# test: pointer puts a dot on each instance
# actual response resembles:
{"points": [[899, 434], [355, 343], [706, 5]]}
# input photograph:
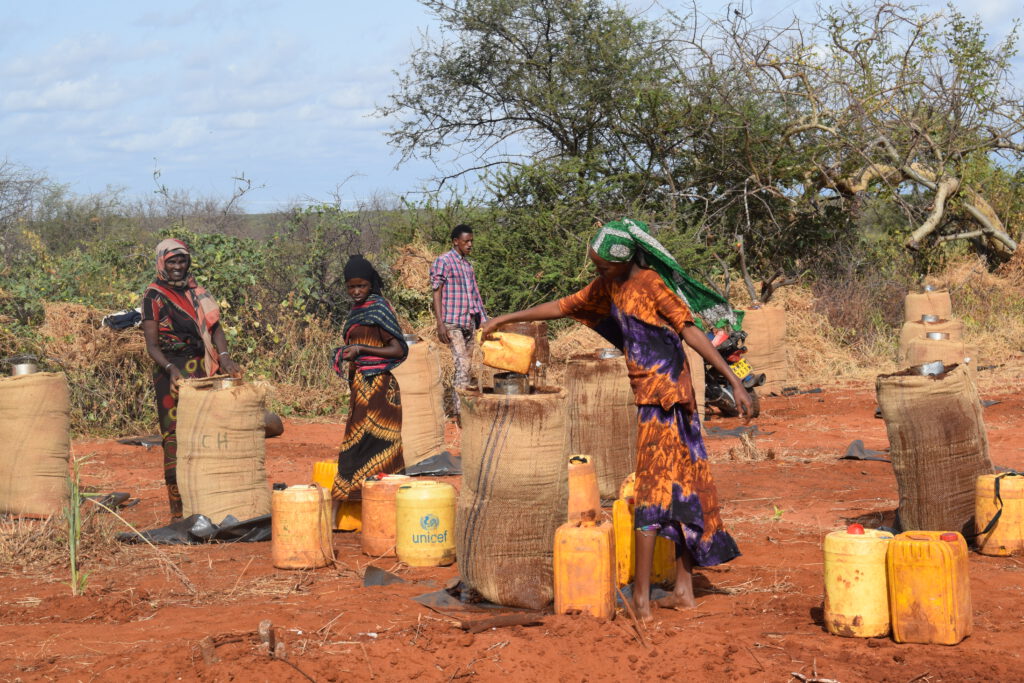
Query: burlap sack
{"points": [[221, 451], [514, 494], [938, 445], [602, 418], [915, 329], [419, 379], [949, 351], [766, 346], [927, 303], [695, 362], [34, 424]]}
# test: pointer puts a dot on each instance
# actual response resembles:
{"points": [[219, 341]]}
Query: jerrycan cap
{"points": [[857, 529], [950, 536]]}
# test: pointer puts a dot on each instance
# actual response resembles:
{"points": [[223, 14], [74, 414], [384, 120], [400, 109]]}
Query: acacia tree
{"points": [[874, 102]]}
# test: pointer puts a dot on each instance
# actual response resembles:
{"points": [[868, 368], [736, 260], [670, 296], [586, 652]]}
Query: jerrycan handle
{"points": [[999, 499]]}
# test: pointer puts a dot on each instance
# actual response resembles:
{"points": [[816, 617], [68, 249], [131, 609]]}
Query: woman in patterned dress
{"points": [[374, 345], [181, 325], [639, 303]]}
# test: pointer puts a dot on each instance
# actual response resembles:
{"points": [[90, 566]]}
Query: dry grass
{"points": [[72, 334], [39, 548]]}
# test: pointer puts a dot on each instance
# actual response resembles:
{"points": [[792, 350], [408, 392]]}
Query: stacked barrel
{"points": [[931, 333]]}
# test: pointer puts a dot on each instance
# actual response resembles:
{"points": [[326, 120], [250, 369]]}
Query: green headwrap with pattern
{"points": [[618, 242]]}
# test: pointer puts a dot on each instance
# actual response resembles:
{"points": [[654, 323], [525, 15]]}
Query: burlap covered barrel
{"points": [[602, 417], [34, 444], [221, 451], [938, 445], [514, 494], [419, 378], [935, 302], [766, 345], [917, 329]]}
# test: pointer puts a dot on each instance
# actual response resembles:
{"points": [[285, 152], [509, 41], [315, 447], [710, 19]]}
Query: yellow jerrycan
{"points": [[425, 523], [999, 513], [584, 564], [663, 571], [300, 527], [856, 589], [349, 517], [929, 588], [508, 351], [378, 537], [583, 490]]}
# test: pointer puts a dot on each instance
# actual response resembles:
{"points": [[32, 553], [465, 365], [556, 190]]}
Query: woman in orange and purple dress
{"points": [[639, 303]]}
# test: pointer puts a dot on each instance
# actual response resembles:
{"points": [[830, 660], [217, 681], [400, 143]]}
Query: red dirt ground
{"points": [[758, 618]]}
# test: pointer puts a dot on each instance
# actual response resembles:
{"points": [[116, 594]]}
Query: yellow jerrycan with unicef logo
{"points": [[856, 588], [425, 524]]}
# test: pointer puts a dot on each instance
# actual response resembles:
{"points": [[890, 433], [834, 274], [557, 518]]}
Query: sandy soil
{"points": [[758, 618]]}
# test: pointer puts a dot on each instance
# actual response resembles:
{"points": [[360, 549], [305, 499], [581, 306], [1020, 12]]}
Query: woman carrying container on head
{"points": [[181, 325], [374, 345], [639, 303]]}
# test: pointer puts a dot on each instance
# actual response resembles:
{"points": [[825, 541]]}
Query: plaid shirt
{"points": [[460, 298]]}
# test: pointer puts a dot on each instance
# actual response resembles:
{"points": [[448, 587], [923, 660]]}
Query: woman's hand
{"points": [[352, 351], [743, 401], [175, 375], [489, 326], [229, 366]]}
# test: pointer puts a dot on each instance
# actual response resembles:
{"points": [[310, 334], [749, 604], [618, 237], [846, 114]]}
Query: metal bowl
{"points": [[607, 353], [511, 383], [928, 288], [935, 367], [18, 369], [937, 335], [929, 318], [228, 382]]}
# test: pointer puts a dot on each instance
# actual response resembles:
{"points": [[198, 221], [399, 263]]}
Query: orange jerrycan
{"points": [[585, 567], [378, 537], [999, 513], [856, 588], [663, 570], [349, 517], [929, 589], [583, 491], [508, 351], [300, 527]]}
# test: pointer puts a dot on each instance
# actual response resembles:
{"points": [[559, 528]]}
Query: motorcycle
{"points": [[717, 391]]}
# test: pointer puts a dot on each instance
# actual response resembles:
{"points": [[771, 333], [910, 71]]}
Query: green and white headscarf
{"points": [[618, 242]]}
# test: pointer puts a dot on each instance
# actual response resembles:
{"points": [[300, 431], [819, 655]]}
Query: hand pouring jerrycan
{"points": [[508, 351]]}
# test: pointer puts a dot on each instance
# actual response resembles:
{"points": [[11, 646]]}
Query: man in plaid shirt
{"points": [[458, 308]]}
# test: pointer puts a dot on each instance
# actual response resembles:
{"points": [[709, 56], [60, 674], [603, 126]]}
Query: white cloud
{"points": [[70, 95], [179, 134]]}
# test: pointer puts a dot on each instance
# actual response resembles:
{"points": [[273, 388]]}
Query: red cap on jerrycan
{"points": [[950, 536], [855, 529]]}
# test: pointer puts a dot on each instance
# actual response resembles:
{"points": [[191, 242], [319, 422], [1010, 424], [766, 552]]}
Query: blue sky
{"points": [[102, 93]]}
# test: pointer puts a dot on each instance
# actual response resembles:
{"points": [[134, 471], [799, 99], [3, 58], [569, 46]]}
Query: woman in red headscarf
{"points": [[181, 324]]}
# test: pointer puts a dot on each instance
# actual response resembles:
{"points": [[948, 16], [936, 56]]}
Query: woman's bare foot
{"points": [[677, 601], [641, 608]]}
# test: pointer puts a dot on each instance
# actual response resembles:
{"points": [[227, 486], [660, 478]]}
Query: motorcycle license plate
{"points": [[741, 368]]}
